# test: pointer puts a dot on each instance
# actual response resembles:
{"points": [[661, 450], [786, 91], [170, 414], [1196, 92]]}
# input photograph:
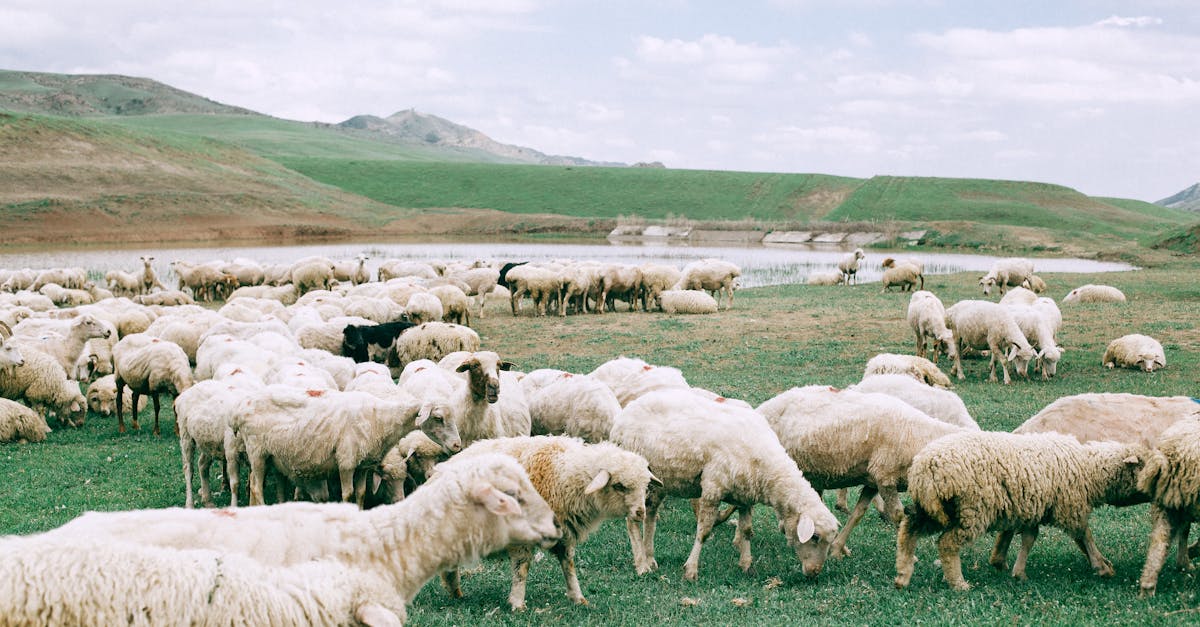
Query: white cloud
{"points": [[715, 57], [596, 112], [1141, 20]]}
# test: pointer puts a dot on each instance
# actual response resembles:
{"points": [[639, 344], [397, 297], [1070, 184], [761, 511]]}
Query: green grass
{"points": [[773, 339]]}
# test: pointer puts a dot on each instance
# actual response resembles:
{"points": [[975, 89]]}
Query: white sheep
{"points": [[983, 324], [576, 405], [846, 438], [1039, 331], [102, 396], [904, 275], [395, 268], [352, 271], [927, 317], [1135, 351], [204, 415], [295, 563], [456, 307], [1094, 294], [286, 294], [621, 281], [1006, 273], [480, 281], [312, 274], [940, 404], [848, 265], [488, 407], [918, 368], [964, 484], [424, 307], [38, 379], [18, 423], [124, 283], [826, 278], [1119, 417], [67, 345], [1035, 283], [656, 278], [631, 378], [541, 284], [1019, 296], [584, 484], [151, 366], [434, 340], [166, 298], [687, 302], [722, 453], [1171, 478], [714, 275]]}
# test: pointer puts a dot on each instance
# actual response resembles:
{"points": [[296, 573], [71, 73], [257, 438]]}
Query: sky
{"points": [[1099, 95]]}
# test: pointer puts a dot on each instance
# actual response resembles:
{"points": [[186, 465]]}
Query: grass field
{"points": [[773, 339]]}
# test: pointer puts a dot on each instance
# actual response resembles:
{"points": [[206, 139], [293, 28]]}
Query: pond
{"points": [[761, 265]]}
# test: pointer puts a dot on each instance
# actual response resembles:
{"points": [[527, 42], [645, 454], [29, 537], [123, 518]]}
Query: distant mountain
{"points": [[1188, 199], [411, 126], [100, 94]]}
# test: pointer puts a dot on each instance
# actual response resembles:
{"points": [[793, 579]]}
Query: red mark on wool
{"points": [[647, 368], [567, 375], [316, 393], [720, 399], [236, 371], [224, 512]]}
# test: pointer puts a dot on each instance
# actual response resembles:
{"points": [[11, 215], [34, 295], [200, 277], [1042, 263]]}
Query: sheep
{"points": [[1135, 351], [481, 282], [66, 348], [353, 271], [166, 298], [984, 324], [848, 265], [247, 272], [38, 379], [631, 378], [1118, 417], [64, 297], [296, 563], [148, 365], [939, 404], [1039, 330], [393, 268], [620, 281], [965, 484], [312, 273], [687, 302], [205, 282], [102, 396], [1170, 478], [927, 317], [70, 278], [1006, 273], [478, 411], [826, 278], [657, 278], [918, 368], [576, 405], [18, 423], [904, 275], [358, 340], [1094, 294], [584, 484], [424, 307], [540, 284], [845, 438], [123, 283], [407, 466], [719, 452], [149, 278], [456, 307], [714, 275], [1019, 296], [434, 340], [287, 294], [204, 414], [1035, 283]]}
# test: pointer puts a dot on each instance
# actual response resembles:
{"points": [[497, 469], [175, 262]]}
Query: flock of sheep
{"points": [[378, 394]]}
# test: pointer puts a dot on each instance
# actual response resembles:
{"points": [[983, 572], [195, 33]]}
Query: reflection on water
{"points": [[760, 265]]}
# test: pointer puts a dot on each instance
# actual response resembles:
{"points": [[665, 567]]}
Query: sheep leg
{"points": [[520, 557], [1183, 527], [206, 461], [838, 548], [1161, 532], [154, 397], [654, 499], [1087, 544], [906, 553], [566, 558], [949, 547], [187, 450], [957, 370], [375, 615], [258, 471], [1028, 537], [842, 504], [231, 468], [706, 514], [452, 582], [999, 556], [921, 345], [741, 537], [360, 487], [120, 406]]}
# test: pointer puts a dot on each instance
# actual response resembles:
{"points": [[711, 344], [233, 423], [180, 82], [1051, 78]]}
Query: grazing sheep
{"points": [[1035, 283], [687, 302], [123, 283], [424, 307], [481, 282], [38, 379], [1172, 480], [148, 365], [102, 396], [290, 564], [286, 294], [204, 415], [1094, 294], [1135, 351], [540, 284], [965, 484], [312, 274], [395, 268], [631, 378], [1006, 273], [575, 405], [1130, 418], [845, 438], [1019, 296], [714, 275], [940, 404], [927, 317], [18, 423], [983, 324], [433, 341], [826, 278], [918, 368], [1039, 330], [848, 265], [902, 274], [719, 452], [584, 484], [620, 281], [657, 278], [456, 307]]}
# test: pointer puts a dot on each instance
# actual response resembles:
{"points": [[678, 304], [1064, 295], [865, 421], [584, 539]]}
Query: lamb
{"points": [[148, 365], [1040, 331], [848, 265], [584, 484], [433, 341], [631, 378], [927, 317], [1130, 418], [826, 278], [18, 423], [258, 565], [939, 404], [965, 484], [1035, 283], [1135, 351], [424, 307], [102, 396], [1172, 481], [456, 307], [714, 275], [148, 280], [845, 438], [38, 379], [902, 274], [1094, 294], [575, 405], [719, 452], [918, 368], [984, 324], [1006, 273], [687, 302]]}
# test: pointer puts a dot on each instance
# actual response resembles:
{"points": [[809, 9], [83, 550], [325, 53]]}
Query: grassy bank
{"points": [[773, 339]]}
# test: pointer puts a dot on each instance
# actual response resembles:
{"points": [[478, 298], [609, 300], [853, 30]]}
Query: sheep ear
{"points": [[423, 414], [655, 480], [465, 366], [507, 365], [598, 482], [1132, 459], [495, 501], [805, 528]]}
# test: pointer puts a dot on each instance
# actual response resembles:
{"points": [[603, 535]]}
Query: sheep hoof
{"points": [[518, 607], [1146, 592], [581, 601], [960, 586], [1105, 570]]}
